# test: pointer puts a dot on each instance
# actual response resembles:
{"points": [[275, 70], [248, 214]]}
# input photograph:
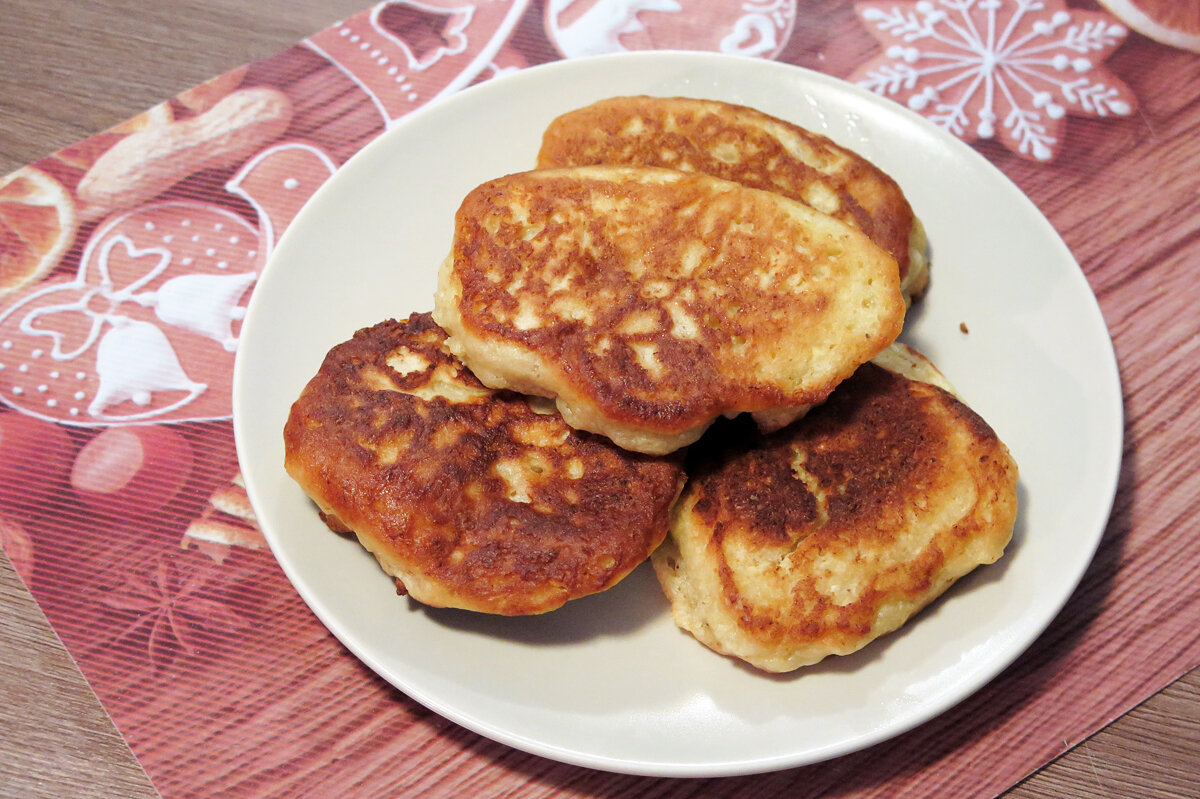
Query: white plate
{"points": [[608, 681]]}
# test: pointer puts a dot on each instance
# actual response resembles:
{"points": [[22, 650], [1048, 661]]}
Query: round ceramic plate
{"points": [[608, 681]]}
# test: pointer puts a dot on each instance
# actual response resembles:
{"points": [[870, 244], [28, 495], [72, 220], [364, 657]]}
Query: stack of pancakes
{"points": [[673, 339]]}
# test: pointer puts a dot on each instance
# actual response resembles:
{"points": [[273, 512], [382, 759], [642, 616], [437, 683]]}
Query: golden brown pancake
{"points": [[469, 497], [648, 302], [814, 540], [745, 145]]}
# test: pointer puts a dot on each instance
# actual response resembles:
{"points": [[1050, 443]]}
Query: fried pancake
{"points": [[648, 301], [744, 145], [817, 539], [470, 498]]}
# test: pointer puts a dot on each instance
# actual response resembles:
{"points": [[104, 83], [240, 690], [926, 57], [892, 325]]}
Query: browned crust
{"points": [[887, 453], [682, 133], [522, 230], [416, 480]]}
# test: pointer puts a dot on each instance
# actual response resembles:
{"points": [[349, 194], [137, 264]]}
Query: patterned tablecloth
{"points": [[121, 504]]}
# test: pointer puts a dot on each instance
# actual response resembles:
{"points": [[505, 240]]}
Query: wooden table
{"points": [[72, 69]]}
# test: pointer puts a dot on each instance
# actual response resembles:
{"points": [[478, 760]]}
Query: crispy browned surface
{"points": [[740, 144], [815, 540], [659, 299], [468, 496]]}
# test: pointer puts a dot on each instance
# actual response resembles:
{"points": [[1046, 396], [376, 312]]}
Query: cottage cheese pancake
{"points": [[649, 301], [750, 147], [469, 497], [814, 540]]}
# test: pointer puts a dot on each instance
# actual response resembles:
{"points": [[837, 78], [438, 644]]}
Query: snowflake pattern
{"points": [[1006, 69]]}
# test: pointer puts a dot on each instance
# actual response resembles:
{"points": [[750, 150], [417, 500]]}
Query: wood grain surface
{"points": [[71, 69]]}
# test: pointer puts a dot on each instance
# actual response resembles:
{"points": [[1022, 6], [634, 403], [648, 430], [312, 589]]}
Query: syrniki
{"points": [[815, 540], [468, 497], [648, 302]]}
